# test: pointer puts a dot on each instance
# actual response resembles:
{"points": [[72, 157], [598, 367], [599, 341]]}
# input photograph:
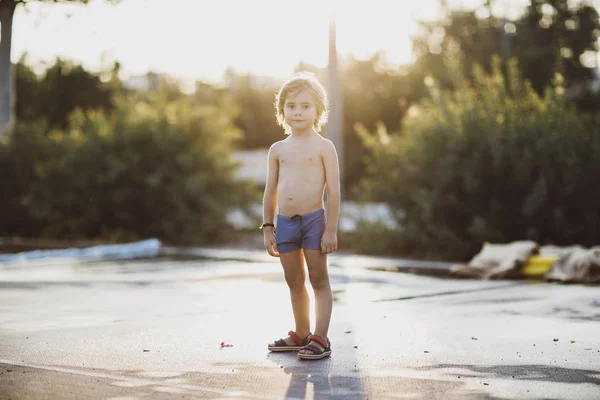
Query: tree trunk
{"points": [[7, 86]]}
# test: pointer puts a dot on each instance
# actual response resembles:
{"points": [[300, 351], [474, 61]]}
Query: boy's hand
{"points": [[328, 242], [271, 243]]}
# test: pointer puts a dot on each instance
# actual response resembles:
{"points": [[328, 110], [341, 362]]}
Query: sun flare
{"points": [[192, 40]]}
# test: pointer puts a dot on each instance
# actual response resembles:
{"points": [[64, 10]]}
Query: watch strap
{"points": [[265, 224]]}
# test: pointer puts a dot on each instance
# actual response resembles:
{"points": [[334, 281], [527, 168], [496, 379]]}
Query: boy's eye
{"points": [[306, 106]]}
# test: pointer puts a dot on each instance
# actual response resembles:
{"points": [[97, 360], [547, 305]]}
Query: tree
{"points": [[256, 116], [550, 36], [7, 84], [491, 161], [459, 37], [374, 95], [27, 84], [558, 35], [63, 88], [154, 166]]}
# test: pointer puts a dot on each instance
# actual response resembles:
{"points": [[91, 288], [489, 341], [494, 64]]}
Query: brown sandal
{"points": [[317, 352], [281, 345]]}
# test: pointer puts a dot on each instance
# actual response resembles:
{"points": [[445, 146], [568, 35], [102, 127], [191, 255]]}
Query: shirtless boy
{"points": [[300, 168]]}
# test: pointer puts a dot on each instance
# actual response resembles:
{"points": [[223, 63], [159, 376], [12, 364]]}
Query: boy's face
{"points": [[300, 111]]}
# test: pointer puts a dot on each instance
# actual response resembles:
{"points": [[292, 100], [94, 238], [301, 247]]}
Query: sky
{"points": [[197, 39]]}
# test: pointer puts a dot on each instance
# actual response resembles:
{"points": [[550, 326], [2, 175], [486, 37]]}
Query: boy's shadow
{"points": [[325, 384]]}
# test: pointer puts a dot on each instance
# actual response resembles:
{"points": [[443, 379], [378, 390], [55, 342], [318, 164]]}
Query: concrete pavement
{"points": [[153, 329]]}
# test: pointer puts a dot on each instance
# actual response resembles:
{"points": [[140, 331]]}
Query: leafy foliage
{"points": [[491, 161], [63, 88], [254, 102], [151, 168], [550, 36], [554, 31]]}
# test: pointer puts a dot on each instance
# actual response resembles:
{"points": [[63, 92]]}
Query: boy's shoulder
{"points": [[277, 145], [323, 140], [325, 144]]}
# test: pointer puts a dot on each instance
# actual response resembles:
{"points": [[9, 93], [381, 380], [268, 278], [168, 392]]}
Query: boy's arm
{"points": [[332, 180], [270, 201]]}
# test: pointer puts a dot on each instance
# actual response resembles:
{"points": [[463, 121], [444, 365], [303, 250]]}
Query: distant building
{"points": [[148, 81], [234, 80]]}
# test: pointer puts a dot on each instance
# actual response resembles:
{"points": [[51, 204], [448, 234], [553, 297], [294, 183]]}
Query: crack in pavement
{"points": [[450, 292]]}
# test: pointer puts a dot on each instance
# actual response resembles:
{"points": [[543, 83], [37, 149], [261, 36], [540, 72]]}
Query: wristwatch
{"points": [[265, 224]]}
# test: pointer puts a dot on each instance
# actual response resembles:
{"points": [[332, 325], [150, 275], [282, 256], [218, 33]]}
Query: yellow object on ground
{"points": [[538, 265]]}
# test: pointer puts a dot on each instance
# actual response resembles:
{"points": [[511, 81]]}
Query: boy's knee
{"points": [[295, 281], [319, 281]]}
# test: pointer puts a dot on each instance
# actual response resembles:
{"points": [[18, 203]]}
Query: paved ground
{"points": [[153, 329]]}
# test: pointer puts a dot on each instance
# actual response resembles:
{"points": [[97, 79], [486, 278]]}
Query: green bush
{"points": [[152, 168], [491, 161], [63, 87], [369, 238]]}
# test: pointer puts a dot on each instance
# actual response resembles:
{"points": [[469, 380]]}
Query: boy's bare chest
{"points": [[300, 158]]}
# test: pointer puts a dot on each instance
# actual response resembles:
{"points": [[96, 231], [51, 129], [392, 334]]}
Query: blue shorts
{"points": [[300, 231]]}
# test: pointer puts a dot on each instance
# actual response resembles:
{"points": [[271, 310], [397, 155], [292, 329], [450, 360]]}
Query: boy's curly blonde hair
{"points": [[298, 82]]}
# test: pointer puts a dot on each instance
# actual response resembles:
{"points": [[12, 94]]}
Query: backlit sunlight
{"points": [[190, 39]]}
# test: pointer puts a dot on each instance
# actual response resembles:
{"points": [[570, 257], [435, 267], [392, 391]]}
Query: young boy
{"points": [[300, 168]]}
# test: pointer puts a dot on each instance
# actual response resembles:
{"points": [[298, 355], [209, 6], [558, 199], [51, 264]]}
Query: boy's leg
{"points": [[295, 277], [319, 279]]}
